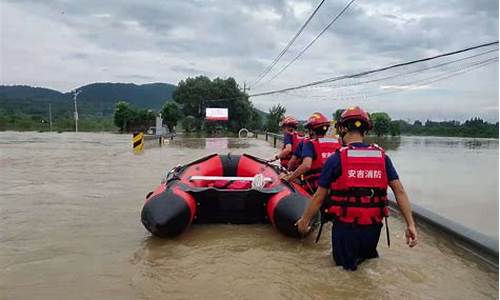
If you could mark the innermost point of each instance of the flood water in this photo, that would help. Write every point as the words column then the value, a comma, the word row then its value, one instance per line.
column 70, row 229
column 454, row 177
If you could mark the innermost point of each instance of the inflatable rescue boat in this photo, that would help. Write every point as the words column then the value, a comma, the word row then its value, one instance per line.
column 235, row 189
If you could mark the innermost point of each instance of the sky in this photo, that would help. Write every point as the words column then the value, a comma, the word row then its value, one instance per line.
column 64, row 44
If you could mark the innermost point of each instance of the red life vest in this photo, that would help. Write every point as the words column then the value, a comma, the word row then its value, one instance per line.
column 359, row 195
column 296, row 138
column 323, row 149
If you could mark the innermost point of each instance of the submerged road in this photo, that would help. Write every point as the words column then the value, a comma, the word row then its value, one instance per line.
column 70, row 229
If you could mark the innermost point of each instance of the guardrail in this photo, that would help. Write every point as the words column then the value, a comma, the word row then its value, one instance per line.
column 275, row 137
column 472, row 241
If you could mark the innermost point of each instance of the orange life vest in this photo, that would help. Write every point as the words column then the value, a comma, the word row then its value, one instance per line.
column 359, row 195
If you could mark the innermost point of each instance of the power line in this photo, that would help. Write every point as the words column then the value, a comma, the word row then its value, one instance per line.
column 362, row 74
column 312, row 41
column 280, row 55
column 423, row 81
column 418, row 70
column 432, row 79
column 333, row 79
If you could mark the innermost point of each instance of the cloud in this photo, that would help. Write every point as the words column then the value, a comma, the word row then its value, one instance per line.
column 405, row 87
column 67, row 43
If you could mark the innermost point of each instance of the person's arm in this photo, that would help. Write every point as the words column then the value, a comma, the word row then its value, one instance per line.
column 287, row 150
column 292, row 162
column 405, row 207
column 304, row 167
column 313, row 208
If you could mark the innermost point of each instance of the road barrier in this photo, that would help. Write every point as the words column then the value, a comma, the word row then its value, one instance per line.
column 138, row 142
column 274, row 136
column 476, row 243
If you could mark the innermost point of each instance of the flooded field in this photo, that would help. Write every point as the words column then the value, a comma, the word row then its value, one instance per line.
column 70, row 229
column 454, row 177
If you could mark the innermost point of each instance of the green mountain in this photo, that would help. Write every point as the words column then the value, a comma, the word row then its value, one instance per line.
column 94, row 99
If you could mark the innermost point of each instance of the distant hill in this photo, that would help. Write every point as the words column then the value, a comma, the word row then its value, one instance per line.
column 94, row 99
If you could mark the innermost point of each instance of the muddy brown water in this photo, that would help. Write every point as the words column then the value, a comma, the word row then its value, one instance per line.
column 70, row 229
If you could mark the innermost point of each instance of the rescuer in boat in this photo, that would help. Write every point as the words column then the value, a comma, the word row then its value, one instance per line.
column 296, row 159
column 354, row 182
column 315, row 151
column 291, row 140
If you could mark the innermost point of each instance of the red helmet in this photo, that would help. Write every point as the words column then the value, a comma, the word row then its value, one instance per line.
column 289, row 121
column 317, row 120
column 356, row 113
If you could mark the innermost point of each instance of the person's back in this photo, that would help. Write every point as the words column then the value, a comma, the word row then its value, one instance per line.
column 354, row 183
column 321, row 148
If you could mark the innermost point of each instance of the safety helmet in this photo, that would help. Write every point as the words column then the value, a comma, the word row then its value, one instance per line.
column 289, row 121
column 317, row 120
column 358, row 115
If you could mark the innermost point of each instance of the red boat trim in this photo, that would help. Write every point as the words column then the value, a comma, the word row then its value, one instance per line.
column 160, row 189
column 273, row 202
column 191, row 203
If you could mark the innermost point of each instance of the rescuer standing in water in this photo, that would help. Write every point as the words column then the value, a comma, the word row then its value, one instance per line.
column 315, row 152
column 354, row 182
column 291, row 140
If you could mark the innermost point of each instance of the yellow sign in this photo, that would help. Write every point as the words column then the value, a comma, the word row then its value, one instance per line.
column 138, row 142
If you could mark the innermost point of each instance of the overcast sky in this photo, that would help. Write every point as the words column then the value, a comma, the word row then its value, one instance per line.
column 63, row 44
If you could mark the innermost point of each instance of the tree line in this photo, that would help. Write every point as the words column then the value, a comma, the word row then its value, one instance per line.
column 191, row 98
column 383, row 125
column 10, row 120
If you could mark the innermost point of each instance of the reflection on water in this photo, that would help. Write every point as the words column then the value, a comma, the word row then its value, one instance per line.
column 70, row 229
column 218, row 145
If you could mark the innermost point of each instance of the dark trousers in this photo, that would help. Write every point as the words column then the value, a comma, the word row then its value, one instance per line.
column 352, row 243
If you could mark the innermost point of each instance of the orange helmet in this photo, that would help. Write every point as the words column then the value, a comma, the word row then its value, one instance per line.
column 317, row 120
column 289, row 121
column 358, row 114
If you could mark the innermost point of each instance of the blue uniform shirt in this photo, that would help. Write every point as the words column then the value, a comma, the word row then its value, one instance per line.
column 308, row 150
column 288, row 139
column 332, row 169
column 298, row 150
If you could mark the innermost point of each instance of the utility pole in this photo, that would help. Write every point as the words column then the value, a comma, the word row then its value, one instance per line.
column 245, row 87
column 75, row 94
column 50, row 117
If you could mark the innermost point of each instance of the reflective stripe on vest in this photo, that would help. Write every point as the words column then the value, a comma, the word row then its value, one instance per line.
column 323, row 149
column 359, row 195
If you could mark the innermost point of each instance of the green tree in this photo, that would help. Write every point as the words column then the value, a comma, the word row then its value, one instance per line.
column 337, row 114
column 255, row 120
column 381, row 123
column 196, row 94
column 189, row 123
column 128, row 118
column 122, row 115
column 394, row 128
column 171, row 114
column 276, row 113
